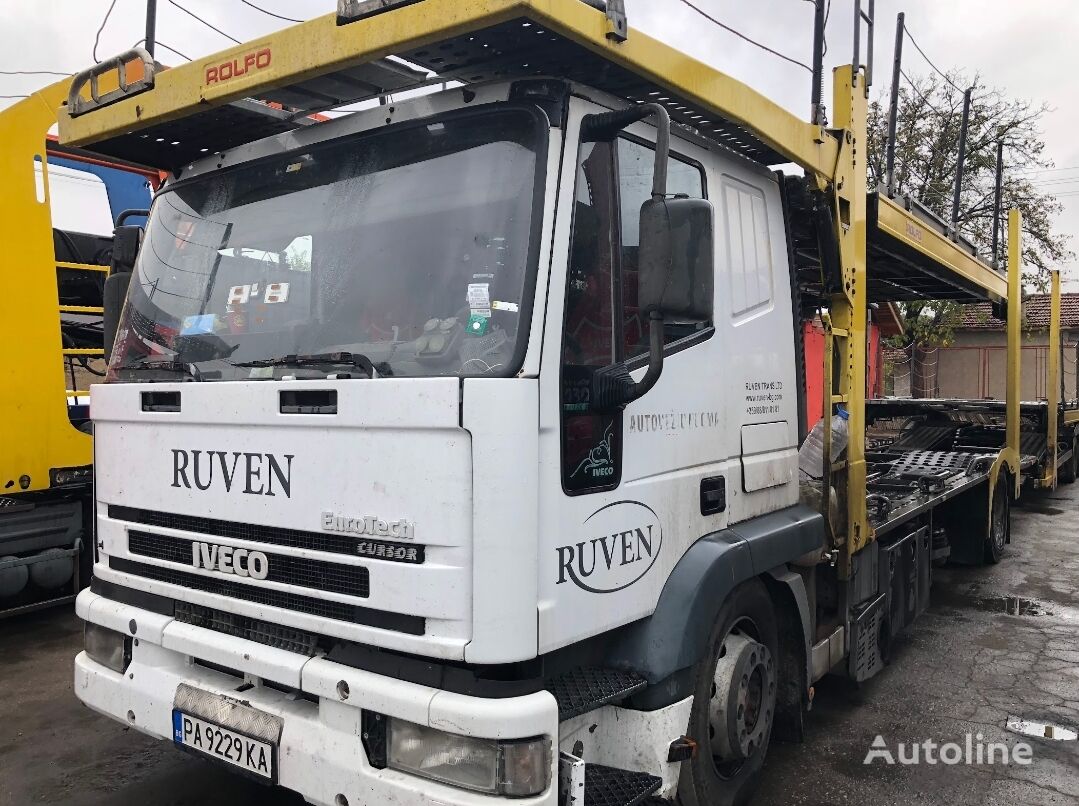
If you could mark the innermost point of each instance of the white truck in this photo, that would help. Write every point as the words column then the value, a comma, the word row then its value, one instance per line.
column 450, row 448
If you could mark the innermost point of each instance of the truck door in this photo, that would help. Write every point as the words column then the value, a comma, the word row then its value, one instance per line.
column 622, row 494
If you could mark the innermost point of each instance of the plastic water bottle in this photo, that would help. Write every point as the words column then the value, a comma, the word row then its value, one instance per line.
column 811, row 454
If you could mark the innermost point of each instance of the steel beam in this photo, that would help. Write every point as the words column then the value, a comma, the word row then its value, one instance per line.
column 321, row 46
column 850, row 308
column 1053, row 381
column 893, row 106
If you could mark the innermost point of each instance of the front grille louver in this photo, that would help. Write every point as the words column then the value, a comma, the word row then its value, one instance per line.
column 350, row 580
column 337, row 611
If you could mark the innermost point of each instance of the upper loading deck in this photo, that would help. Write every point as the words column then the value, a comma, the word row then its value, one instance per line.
column 169, row 118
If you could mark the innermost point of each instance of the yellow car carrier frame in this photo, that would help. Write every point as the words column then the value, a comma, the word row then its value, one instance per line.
column 884, row 249
column 51, row 317
column 45, row 460
column 851, row 245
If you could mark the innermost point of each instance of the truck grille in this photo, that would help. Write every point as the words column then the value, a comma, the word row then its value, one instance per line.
column 338, row 611
column 350, row 580
column 262, row 632
column 293, row 538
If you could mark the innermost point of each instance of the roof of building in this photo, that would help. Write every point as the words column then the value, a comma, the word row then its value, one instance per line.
column 890, row 319
column 1035, row 314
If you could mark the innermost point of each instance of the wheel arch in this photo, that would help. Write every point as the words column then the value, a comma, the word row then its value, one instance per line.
column 665, row 647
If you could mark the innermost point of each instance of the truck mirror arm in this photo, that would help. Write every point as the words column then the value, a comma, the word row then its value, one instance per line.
column 613, row 387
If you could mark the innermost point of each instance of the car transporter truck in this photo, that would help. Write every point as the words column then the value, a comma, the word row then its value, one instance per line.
column 450, row 449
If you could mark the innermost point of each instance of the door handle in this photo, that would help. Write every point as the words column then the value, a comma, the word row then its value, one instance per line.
column 713, row 495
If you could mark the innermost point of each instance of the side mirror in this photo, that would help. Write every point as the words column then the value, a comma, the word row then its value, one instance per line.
column 676, row 260
column 115, row 293
column 126, row 241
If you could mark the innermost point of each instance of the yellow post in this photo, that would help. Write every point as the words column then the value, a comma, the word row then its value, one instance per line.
column 35, row 432
column 1008, row 458
column 849, row 308
column 1053, row 391
column 1015, row 332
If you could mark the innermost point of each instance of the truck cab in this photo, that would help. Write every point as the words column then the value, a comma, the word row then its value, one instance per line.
column 394, row 320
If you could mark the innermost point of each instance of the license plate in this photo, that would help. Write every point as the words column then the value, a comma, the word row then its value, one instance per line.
column 250, row 755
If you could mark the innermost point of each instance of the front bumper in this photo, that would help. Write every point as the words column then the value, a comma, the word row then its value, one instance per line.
column 321, row 754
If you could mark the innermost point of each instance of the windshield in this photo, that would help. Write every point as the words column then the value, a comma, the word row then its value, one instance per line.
column 411, row 247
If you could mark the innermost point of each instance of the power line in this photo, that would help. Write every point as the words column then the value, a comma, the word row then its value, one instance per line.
column 173, row 50
column 923, row 97
column 269, row 13
column 97, row 36
column 166, row 47
column 8, row 97
column 742, row 36
column 918, row 47
column 33, row 73
column 1049, row 182
column 209, row 25
column 1047, row 170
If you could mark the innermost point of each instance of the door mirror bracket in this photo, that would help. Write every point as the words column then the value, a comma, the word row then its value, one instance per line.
column 675, row 274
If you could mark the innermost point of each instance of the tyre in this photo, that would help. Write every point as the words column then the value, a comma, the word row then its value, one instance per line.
column 999, row 524
column 734, row 702
column 1069, row 468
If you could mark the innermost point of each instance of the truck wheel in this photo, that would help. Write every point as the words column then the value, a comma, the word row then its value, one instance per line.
column 999, row 525
column 1069, row 468
column 734, row 703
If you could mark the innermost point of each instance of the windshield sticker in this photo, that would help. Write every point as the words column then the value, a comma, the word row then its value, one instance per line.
column 272, row 294
column 478, row 323
column 199, row 325
column 479, row 296
column 512, row 307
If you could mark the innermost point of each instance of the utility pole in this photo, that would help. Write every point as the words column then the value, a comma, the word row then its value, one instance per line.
column 893, row 108
column 960, row 165
column 151, row 26
column 817, row 91
column 999, row 200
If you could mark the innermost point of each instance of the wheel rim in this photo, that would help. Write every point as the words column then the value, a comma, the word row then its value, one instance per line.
column 742, row 705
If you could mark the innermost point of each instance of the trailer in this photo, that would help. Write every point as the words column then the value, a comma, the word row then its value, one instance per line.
column 450, row 449
column 1047, row 427
column 57, row 214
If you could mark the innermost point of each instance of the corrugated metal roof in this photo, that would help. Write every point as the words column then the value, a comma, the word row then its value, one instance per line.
column 1035, row 314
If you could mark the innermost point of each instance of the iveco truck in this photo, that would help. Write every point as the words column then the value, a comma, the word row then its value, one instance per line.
column 449, row 450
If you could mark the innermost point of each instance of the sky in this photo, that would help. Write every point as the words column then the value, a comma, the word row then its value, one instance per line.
column 1025, row 49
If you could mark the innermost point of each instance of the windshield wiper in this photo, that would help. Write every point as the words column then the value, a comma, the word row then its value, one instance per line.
column 179, row 367
column 360, row 362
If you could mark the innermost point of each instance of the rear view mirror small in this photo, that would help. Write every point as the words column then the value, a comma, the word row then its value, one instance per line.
column 676, row 260
column 125, row 248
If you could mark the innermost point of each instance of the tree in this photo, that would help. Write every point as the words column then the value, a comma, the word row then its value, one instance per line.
column 927, row 147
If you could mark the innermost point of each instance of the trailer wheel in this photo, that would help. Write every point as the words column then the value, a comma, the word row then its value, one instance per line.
column 734, row 703
column 999, row 525
column 1069, row 468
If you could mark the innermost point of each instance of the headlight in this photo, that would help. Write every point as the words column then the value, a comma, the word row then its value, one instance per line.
column 510, row 768
column 107, row 647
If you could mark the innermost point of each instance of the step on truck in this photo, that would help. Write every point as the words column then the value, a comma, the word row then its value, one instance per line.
column 450, row 449
column 58, row 208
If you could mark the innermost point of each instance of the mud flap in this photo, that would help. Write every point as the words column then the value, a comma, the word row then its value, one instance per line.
column 865, row 656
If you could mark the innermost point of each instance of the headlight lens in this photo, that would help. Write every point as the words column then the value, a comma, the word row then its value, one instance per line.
column 107, row 647
column 513, row 769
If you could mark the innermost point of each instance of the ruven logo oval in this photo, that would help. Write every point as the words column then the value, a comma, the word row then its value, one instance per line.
column 624, row 542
